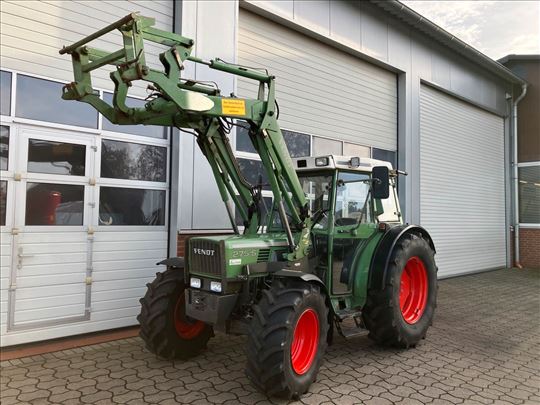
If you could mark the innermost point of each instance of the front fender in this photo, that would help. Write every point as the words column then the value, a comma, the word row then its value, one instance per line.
column 312, row 278
column 173, row 262
column 383, row 252
column 301, row 275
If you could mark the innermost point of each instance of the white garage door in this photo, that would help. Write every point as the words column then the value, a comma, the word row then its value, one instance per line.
column 462, row 200
column 321, row 90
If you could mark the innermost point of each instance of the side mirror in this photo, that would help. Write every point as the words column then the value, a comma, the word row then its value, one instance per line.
column 381, row 182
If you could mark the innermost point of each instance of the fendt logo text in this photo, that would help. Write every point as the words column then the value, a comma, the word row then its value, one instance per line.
column 204, row 252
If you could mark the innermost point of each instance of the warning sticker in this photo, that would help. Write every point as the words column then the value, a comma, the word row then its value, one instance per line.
column 233, row 106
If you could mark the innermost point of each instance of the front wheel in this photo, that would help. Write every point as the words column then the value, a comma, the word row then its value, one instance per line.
column 287, row 338
column 165, row 328
column 401, row 313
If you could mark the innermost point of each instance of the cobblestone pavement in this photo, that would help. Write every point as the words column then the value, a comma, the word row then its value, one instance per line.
column 484, row 347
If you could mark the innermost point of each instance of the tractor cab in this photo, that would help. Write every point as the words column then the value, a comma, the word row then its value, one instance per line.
column 351, row 201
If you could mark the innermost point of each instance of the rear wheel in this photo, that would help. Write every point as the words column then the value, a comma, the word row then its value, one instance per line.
column 287, row 338
column 401, row 313
column 165, row 328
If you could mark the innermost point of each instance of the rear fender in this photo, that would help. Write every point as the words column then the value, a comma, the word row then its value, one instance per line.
column 383, row 252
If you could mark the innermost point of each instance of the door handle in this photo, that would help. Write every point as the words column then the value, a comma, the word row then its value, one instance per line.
column 20, row 257
column 21, row 254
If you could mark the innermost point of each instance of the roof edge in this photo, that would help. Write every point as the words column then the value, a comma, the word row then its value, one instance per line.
column 416, row 20
column 520, row 56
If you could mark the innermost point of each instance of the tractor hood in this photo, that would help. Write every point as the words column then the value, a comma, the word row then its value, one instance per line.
column 224, row 256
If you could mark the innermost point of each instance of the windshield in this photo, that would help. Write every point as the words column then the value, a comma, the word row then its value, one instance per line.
column 317, row 190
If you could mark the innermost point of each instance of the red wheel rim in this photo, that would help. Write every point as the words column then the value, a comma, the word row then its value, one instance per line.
column 185, row 329
column 413, row 290
column 305, row 341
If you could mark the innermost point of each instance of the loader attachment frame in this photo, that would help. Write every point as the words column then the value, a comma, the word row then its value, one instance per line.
column 194, row 105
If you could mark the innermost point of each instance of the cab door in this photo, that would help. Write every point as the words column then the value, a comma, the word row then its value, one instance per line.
column 353, row 217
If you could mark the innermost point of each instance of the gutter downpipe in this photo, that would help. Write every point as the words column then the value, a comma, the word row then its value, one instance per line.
column 515, row 178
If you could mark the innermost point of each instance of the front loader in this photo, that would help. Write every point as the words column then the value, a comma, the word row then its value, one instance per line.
column 331, row 253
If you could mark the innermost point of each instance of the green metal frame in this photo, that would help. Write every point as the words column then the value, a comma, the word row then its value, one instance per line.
column 190, row 104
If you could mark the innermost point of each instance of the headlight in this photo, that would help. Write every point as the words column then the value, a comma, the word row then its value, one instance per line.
column 321, row 161
column 215, row 286
column 195, row 282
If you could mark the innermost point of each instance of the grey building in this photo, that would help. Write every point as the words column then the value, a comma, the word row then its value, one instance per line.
column 79, row 241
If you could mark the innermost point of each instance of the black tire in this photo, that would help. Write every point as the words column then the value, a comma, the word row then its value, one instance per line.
column 382, row 314
column 162, row 307
column 269, row 364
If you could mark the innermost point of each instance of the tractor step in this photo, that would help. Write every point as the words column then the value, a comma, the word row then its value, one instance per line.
column 349, row 324
column 353, row 332
column 348, row 313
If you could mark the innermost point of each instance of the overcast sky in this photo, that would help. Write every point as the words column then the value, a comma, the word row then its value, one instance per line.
column 495, row 28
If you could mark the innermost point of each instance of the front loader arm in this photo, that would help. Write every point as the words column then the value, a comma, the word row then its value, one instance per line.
column 200, row 107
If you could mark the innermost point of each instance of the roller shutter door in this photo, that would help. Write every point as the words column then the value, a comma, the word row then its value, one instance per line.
column 462, row 200
column 321, row 90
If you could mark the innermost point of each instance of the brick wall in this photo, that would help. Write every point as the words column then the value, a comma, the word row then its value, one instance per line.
column 529, row 247
column 183, row 237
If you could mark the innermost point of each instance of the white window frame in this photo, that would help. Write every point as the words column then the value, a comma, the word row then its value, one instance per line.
column 525, row 224
column 16, row 122
column 7, row 175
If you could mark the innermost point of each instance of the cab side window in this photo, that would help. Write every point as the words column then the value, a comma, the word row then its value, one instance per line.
column 353, row 202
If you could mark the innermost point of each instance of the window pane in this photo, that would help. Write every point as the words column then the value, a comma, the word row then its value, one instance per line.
column 352, row 202
column 3, row 199
column 152, row 131
column 529, row 194
column 350, row 149
column 266, row 206
column 40, row 99
column 54, row 204
column 243, row 143
column 297, row 143
column 56, row 157
column 322, row 146
column 386, row 155
column 131, row 206
column 252, row 169
column 5, row 93
column 4, row 147
column 317, row 189
column 133, row 161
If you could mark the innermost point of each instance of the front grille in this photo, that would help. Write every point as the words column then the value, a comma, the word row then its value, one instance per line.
column 202, row 260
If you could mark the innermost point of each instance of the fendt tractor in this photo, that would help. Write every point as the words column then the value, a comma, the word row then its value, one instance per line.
column 330, row 253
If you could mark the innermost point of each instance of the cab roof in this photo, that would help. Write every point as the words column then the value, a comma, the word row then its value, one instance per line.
column 326, row 162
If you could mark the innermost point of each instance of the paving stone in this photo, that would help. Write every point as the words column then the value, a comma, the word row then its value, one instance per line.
column 64, row 397
column 32, row 396
column 158, row 396
column 128, row 396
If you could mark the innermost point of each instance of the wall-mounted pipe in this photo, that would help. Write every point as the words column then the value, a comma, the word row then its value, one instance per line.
column 515, row 174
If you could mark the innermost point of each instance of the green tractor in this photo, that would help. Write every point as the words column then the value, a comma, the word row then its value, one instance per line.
column 330, row 253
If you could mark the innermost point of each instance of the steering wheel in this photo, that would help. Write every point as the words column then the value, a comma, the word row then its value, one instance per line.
column 346, row 221
column 320, row 214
